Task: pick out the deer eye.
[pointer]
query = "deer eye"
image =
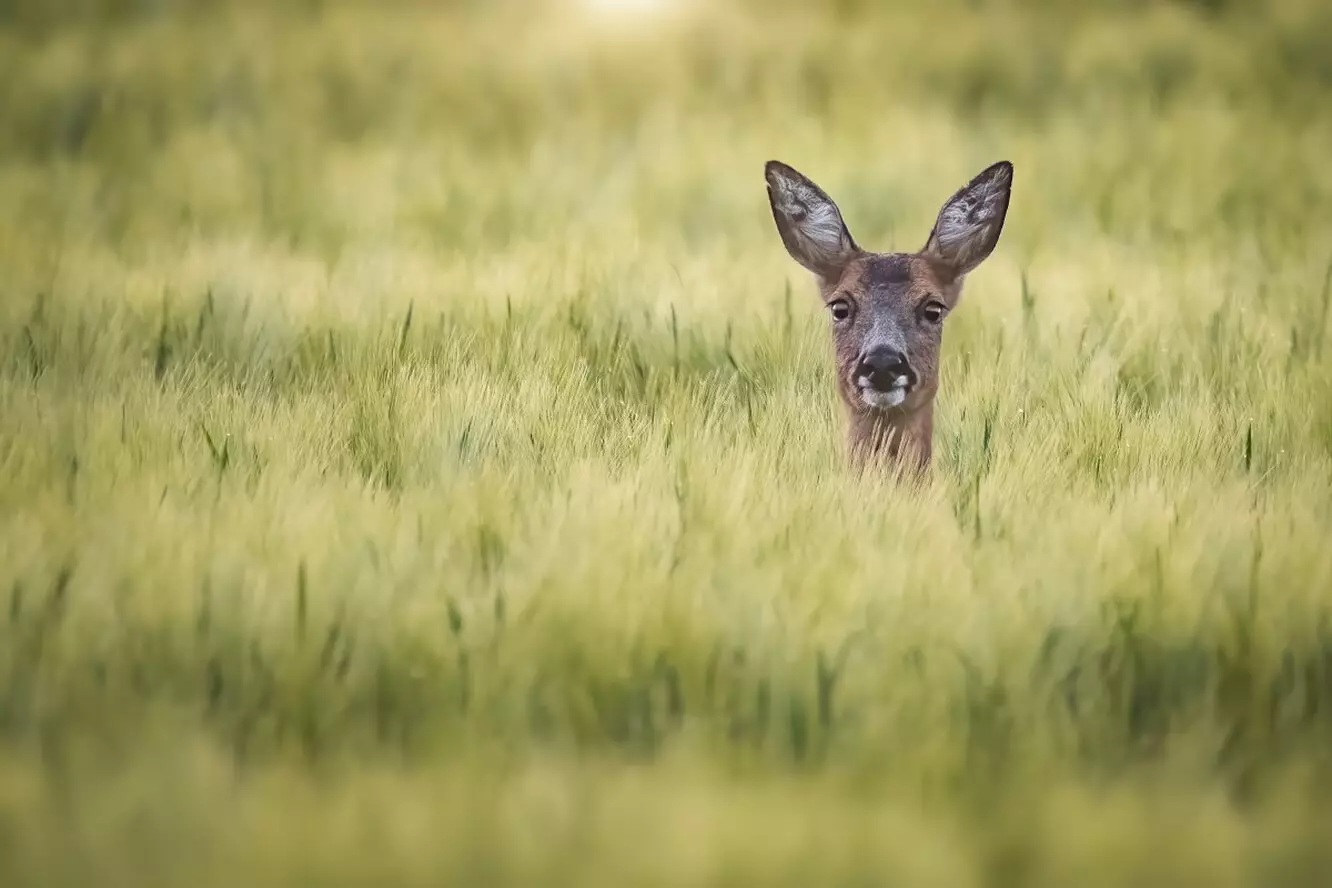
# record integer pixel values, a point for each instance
(932, 312)
(840, 308)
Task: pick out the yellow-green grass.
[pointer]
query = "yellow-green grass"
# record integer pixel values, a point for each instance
(419, 461)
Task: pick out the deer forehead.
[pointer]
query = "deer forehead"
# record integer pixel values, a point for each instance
(891, 279)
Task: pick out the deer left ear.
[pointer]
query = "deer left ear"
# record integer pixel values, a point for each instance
(970, 222)
(809, 222)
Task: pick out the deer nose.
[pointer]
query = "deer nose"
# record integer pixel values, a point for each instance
(882, 367)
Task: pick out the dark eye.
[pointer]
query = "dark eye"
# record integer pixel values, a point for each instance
(840, 308)
(932, 312)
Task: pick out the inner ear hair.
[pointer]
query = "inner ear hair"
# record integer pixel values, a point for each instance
(809, 221)
(970, 222)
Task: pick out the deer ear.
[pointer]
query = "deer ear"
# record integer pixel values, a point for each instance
(969, 224)
(809, 222)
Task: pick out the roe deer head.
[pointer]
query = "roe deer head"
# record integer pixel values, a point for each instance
(887, 310)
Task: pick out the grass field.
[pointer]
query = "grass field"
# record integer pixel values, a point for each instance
(420, 465)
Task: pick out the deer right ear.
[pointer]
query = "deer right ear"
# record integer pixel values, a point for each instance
(969, 224)
(809, 222)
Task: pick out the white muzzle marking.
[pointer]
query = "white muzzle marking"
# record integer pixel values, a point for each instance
(895, 396)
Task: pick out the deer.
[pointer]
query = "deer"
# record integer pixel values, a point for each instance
(887, 310)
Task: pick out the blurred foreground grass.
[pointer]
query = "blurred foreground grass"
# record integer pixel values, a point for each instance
(419, 463)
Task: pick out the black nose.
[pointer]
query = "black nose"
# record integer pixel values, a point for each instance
(882, 366)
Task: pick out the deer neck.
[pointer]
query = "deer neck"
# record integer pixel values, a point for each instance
(902, 440)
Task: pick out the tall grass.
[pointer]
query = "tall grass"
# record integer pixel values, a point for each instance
(419, 461)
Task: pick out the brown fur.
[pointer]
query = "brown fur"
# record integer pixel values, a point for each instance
(892, 298)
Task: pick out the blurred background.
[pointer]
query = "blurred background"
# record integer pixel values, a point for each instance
(470, 125)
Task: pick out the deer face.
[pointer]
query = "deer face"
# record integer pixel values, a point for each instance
(887, 310)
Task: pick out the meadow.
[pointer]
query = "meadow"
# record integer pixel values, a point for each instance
(420, 464)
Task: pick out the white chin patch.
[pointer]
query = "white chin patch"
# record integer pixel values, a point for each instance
(894, 397)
